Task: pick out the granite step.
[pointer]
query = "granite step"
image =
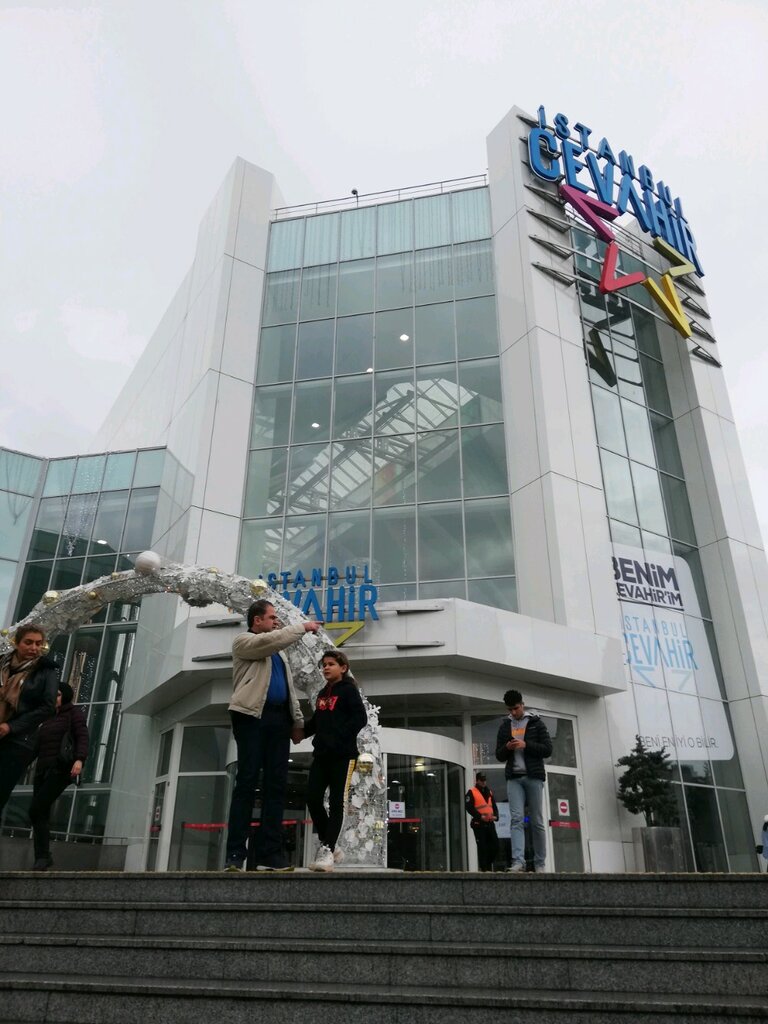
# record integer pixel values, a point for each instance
(60, 999)
(519, 924)
(579, 968)
(439, 888)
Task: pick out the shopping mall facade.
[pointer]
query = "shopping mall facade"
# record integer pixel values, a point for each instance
(483, 430)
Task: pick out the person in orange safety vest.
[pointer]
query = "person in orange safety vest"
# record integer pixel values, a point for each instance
(481, 807)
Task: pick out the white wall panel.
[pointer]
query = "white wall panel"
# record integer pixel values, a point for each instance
(228, 454)
(534, 584)
(520, 415)
(241, 334)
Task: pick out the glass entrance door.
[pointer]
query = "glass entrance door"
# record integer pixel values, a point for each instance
(567, 849)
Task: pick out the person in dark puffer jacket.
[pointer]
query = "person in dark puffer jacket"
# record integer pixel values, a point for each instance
(52, 775)
(338, 717)
(28, 685)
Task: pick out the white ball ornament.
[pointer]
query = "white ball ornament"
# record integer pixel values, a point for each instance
(147, 562)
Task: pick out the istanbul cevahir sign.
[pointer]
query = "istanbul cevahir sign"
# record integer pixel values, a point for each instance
(567, 152)
(600, 186)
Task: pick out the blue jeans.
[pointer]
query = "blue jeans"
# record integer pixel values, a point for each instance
(263, 745)
(522, 791)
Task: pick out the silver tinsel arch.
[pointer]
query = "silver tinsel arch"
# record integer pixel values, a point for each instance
(364, 835)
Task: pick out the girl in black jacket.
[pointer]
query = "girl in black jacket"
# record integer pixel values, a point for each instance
(54, 772)
(338, 717)
(28, 685)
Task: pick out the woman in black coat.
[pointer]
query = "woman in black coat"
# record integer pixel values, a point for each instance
(56, 769)
(28, 685)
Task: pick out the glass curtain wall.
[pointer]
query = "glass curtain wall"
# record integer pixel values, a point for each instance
(377, 434)
(19, 483)
(648, 510)
(95, 515)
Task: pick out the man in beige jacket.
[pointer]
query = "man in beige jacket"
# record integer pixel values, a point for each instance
(266, 715)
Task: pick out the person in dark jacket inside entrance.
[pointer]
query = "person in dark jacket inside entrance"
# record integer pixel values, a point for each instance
(523, 742)
(480, 805)
(56, 768)
(29, 682)
(338, 717)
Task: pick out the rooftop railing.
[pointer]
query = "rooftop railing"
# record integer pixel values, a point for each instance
(353, 201)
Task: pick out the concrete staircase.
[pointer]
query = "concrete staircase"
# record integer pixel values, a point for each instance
(383, 948)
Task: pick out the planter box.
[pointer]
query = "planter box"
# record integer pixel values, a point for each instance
(659, 849)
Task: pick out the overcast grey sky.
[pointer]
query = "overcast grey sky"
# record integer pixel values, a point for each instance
(120, 119)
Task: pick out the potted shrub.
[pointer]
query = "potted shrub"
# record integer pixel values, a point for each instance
(645, 788)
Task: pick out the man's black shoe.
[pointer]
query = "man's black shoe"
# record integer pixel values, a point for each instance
(42, 864)
(277, 862)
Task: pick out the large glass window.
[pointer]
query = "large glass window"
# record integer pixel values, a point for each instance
(441, 541)
(489, 538)
(395, 227)
(476, 328)
(397, 368)
(140, 519)
(271, 416)
(281, 298)
(286, 243)
(321, 244)
(432, 219)
(351, 477)
(471, 215)
(354, 344)
(15, 510)
(318, 292)
(439, 465)
(394, 281)
(265, 491)
(19, 473)
(118, 473)
(394, 339)
(394, 544)
(394, 472)
(484, 461)
(308, 478)
(58, 479)
(435, 334)
(276, 349)
(473, 269)
(433, 275)
(312, 412)
(480, 383)
(315, 358)
(358, 234)
(356, 287)
(353, 406)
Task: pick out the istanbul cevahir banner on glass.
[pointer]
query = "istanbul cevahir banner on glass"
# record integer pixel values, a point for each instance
(668, 652)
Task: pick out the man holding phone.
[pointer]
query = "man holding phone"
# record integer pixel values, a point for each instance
(523, 742)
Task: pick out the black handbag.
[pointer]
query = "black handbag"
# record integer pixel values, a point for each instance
(67, 750)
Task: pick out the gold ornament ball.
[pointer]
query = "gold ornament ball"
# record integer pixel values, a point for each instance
(258, 587)
(213, 569)
(4, 632)
(50, 596)
(94, 595)
(365, 764)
